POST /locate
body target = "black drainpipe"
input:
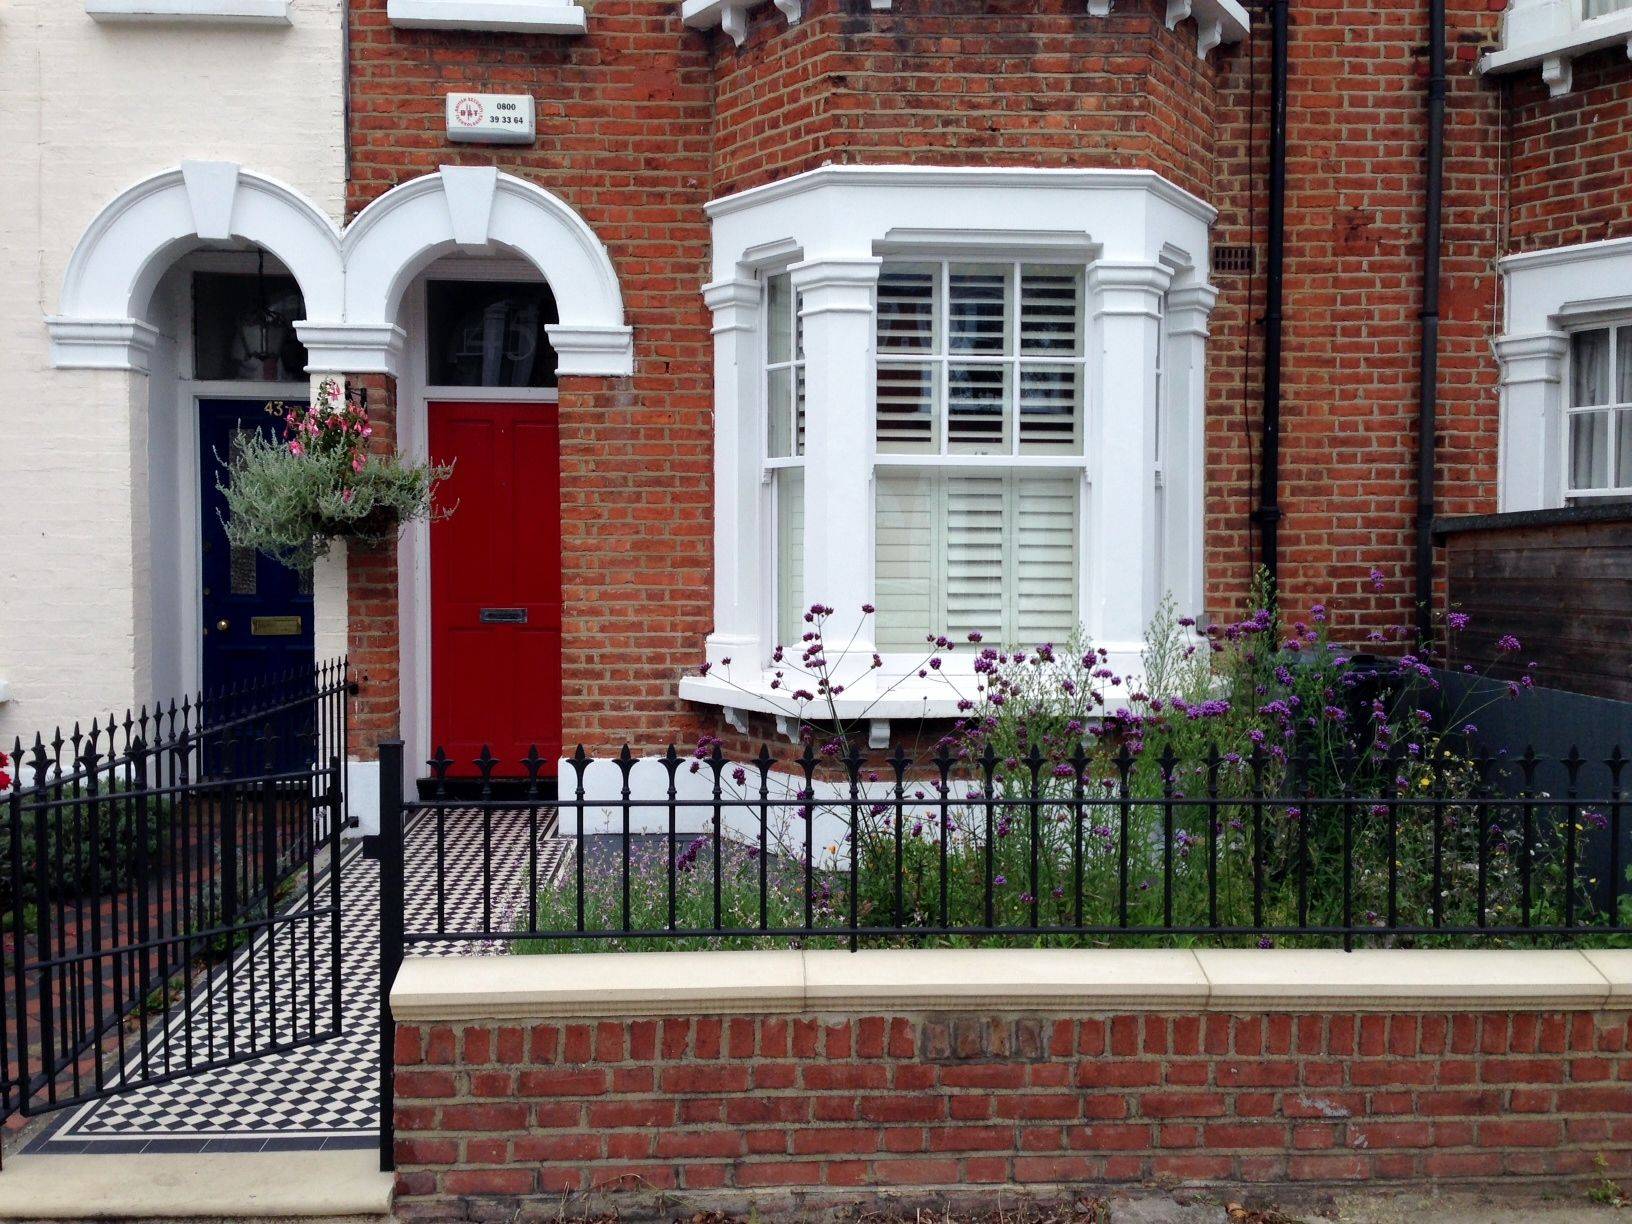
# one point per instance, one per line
(1428, 384)
(1268, 514)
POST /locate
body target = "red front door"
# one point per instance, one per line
(496, 585)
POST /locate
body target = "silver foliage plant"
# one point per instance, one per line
(292, 497)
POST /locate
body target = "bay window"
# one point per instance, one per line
(968, 398)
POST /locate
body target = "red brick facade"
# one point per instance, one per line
(641, 121)
(493, 1117)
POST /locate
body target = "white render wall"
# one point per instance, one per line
(86, 110)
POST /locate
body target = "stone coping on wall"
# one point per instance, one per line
(1043, 980)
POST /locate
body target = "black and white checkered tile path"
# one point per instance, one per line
(323, 1095)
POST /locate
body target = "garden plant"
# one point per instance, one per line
(1262, 784)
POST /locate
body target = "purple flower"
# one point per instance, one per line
(1458, 620)
(1508, 644)
(1376, 579)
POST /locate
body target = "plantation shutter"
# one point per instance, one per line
(993, 553)
(1044, 557)
(907, 574)
(974, 553)
(790, 555)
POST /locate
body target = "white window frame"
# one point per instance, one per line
(1568, 493)
(780, 619)
(1548, 296)
(1013, 359)
(1551, 35)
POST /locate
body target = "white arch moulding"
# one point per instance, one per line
(132, 242)
(353, 282)
(474, 208)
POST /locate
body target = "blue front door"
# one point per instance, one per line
(257, 614)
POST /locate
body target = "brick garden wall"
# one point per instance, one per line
(492, 1117)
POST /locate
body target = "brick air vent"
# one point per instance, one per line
(1232, 260)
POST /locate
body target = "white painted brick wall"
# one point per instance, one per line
(85, 111)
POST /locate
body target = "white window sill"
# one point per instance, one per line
(933, 696)
(511, 16)
(1554, 53)
(233, 12)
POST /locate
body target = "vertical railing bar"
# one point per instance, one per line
(391, 937)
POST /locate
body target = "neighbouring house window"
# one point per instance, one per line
(244, 328)
(490, 334)
(1602, 8)
(979, 432)
(1599, 438)
(785, 448)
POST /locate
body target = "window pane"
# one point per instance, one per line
(1050, 409)
(779, 317)
(977, 319)
(1623, 449)
(243, 327)
(1044, 556)
(906, 408)
(975, 416)
(1589, 450)
(1623, 365)
(906, 573)
(790, 555)
(1589, 368)
(779, 411)
(906, 309)
(490, 334)
(993, 553)
(1050, 311)
(1602, 8)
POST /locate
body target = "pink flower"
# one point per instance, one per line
(357, 464)
(295, 448)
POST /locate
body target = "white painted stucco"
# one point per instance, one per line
(87, 109)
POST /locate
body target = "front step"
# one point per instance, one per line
(305, 1186)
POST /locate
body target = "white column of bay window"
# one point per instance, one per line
(1121, 539)
(739, 593)
(1184, 447)
(836, 307)
(1531, 447)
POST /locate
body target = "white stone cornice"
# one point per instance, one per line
(1070, 178)
(1128, 288)
(101, 344)
(1188, 309)
(735, 303)
(351, 348)
(1217, 21)
(509, 16)
(1532, 358)
(582, 349)
(1549, 35)
(209, 12)
(844, 285)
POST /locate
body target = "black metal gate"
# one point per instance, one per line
(170, 891)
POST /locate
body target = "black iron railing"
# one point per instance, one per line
(1106, 845)
(142, 851)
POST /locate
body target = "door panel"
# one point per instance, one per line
(496, 584)
(257, 614)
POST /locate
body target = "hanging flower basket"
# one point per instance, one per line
(291, 498)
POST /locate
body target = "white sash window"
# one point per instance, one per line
(979, 442)
(1600, 413)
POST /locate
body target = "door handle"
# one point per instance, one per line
(222, 625)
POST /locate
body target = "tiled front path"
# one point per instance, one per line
(321, 1096)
